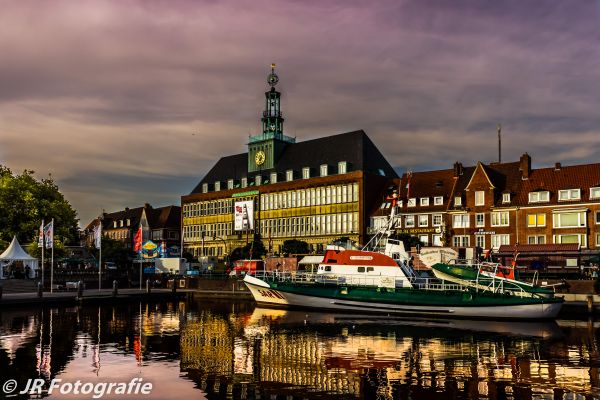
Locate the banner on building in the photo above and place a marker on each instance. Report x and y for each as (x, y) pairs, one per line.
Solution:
(243, 215)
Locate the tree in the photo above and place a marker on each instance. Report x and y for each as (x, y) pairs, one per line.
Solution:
(25, 201)
(113, 250)
(255, 249)
(294, 246)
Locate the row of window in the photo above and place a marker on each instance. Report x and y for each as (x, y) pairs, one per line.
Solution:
(120, 223)
(570, 219)
(504, 239)
(311, 197)
(274, 201)
(274, 177)
(534, 197)
(328, 224)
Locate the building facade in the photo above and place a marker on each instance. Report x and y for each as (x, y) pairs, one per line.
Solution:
(316, 191)
(490, 205)
(160, 225)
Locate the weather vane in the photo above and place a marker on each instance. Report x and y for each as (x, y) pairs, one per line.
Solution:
(272, 79)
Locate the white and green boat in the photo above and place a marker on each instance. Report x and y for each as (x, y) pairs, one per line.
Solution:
(372, 282)
(489, 276)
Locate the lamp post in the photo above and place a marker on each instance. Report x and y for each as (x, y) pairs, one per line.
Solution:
(215, 237)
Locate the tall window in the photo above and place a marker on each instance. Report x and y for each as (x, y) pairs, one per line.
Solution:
(305, 173)
(499, 240)
(479, 198)
(423, 220)
(289, 175)
(437, 219)
(479, 220)
(460, 221)
(424, 201)
(536, 220)
(342, 167)
(323, 169)
(460, 241)
(500, 218)
(480, 241)
(438, 200)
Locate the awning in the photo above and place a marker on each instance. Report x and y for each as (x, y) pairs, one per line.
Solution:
(311, 260)
(535, 249)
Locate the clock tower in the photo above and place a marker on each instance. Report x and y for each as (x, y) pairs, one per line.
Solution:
(265, 149)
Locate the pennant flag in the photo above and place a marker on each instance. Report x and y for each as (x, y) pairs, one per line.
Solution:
(137, 240)
(41, 238)
(98, 235)
(49, 233)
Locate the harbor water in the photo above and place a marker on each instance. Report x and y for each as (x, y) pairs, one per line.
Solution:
(199, 349)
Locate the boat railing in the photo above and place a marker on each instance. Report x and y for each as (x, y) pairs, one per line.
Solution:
(391, 282)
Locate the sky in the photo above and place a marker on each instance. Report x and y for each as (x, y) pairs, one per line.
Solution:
(128, 102)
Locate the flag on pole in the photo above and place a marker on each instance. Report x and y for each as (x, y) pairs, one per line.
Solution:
(41, 238)
(98, 235)
(137, 240)
(49, 234)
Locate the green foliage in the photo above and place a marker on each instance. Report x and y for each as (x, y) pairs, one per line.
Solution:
(255, 249)
(294, 246)
(25, 201)
(112, 250)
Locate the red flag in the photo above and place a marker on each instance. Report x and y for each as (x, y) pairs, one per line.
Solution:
(137, 240)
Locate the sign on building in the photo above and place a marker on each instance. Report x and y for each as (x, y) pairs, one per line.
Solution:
(243, 215)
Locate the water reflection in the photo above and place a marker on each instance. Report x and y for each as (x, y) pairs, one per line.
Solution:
(233, 350)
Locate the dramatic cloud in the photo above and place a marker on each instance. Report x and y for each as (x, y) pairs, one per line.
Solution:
(131, 102)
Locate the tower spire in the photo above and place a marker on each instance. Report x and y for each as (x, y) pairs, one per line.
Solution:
(272, 121)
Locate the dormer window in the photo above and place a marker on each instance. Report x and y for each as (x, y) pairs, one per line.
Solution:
(505, 198)
(569, 194)
(230, 184)
(244, 182)
(323, 170)
(424, 201)
(258, 180)
(342, 167)
(273, 177)
(217, 186)
(114, 224)
(121, 223)
(438, 200)
(289, 175)
(205, 188)
(457, 201)
(539, 197)
(128, 222)
(595, 193)
(412, 202)
(305, 173)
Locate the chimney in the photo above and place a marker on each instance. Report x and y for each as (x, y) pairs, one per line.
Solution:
(147, 205)
(557, 166)
(126, 208)
(458, 169)
(525, 166)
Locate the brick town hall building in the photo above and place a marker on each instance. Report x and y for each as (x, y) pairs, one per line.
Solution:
(316, 191)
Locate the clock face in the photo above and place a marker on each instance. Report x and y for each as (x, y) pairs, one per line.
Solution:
(259, 158)
(273, 127)
(272, 79)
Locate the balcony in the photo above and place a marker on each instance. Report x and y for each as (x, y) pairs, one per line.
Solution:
(266, 136)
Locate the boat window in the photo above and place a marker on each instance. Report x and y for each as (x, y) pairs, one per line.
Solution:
(328, 268)
(370, 269)
(332, 261)
(361, 269)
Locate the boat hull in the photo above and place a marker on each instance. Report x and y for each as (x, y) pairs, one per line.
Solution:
(400, 301)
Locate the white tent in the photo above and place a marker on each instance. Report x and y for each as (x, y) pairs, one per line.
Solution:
(13, 253)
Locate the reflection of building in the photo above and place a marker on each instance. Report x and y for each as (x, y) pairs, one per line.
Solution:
(490, 205)
(316, 190)
(162, 224)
